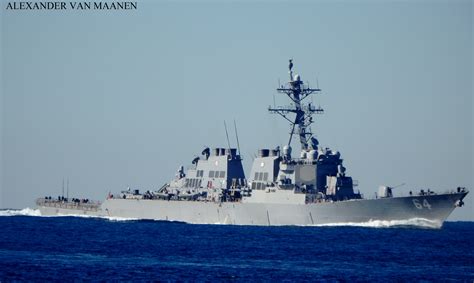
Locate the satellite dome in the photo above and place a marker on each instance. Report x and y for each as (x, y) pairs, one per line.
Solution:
(313, 154)
(297, 78)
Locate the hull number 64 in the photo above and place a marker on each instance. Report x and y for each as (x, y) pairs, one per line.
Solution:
(420, 205)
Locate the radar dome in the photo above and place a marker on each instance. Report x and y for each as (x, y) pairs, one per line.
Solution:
(313, 154)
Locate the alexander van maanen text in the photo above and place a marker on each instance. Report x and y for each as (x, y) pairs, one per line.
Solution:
(47, 5)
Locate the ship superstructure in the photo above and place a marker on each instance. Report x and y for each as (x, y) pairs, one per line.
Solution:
(318, 172)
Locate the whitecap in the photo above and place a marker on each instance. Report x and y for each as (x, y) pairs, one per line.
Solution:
(20, 212)
(36, 212)
(414, 222)
(110, 218)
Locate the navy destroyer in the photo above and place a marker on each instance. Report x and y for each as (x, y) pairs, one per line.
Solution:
(281, 189)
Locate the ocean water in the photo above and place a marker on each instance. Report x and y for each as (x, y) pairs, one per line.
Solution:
(35, 248)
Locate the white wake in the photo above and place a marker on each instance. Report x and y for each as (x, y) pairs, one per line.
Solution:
(20, 212)
(413, 222)
(36, 212)
(110, 218)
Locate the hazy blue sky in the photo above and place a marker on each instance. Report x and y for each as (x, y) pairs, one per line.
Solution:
(113, 99)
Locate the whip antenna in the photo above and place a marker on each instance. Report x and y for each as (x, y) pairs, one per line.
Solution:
(237, 136)
(227, 134)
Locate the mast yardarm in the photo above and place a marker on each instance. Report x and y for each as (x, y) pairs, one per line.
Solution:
(297, 91)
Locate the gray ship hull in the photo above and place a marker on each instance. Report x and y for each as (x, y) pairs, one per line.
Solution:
(432, 208)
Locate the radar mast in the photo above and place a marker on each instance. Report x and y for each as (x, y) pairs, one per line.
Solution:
(297, 91)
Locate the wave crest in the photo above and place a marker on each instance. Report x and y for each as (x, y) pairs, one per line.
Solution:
(413, 222)
(109, 218)
(36, 212)
(20, 212)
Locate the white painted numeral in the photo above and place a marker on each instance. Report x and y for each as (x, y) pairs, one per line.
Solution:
(426, 204)
(418, 205)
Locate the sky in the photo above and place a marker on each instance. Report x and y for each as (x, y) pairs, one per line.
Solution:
(111, 99)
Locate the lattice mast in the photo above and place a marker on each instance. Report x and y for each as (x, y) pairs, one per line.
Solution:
(297, 91)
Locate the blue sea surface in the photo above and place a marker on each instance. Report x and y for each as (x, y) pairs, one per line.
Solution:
(74, 249)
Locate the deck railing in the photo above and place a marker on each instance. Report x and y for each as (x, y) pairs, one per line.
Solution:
(90, 205)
